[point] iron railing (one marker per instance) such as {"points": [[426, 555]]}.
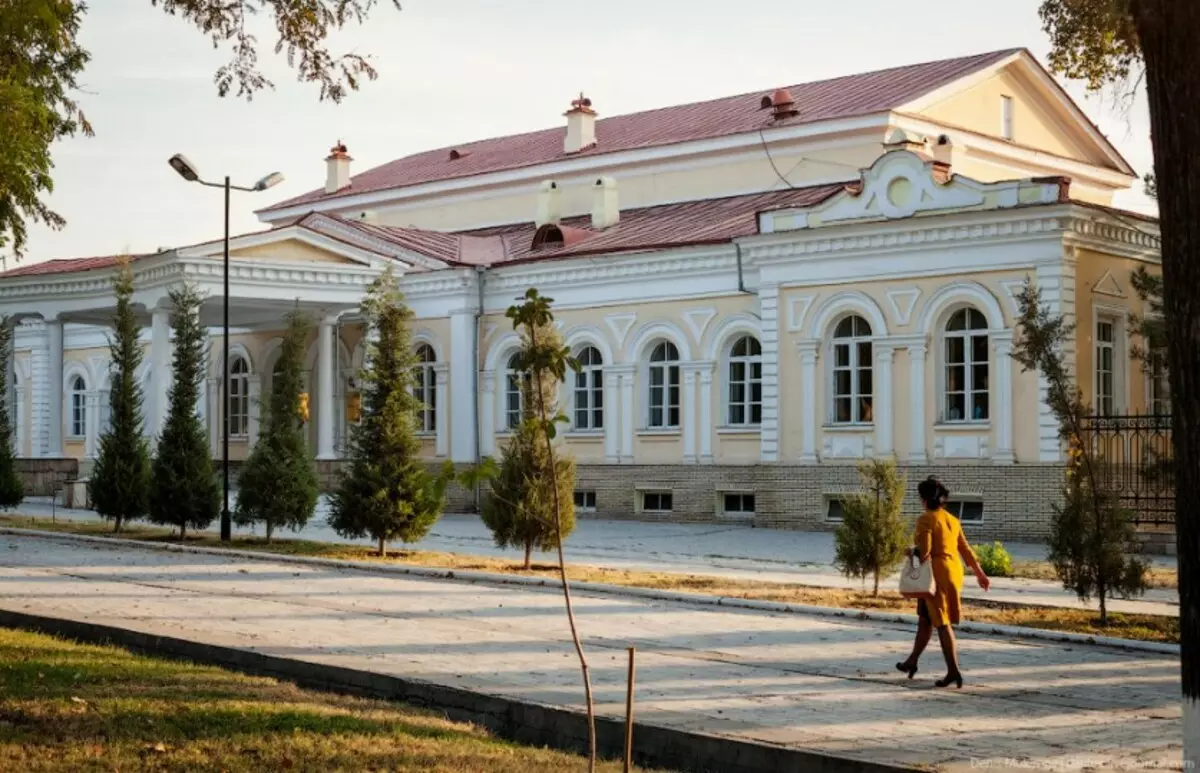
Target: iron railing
{"points": [[1135, 463]]}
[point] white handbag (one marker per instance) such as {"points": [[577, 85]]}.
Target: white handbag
{"points": [[916, 579]]}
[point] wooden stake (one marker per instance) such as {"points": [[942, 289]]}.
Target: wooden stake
{"points": [[629, 715]]}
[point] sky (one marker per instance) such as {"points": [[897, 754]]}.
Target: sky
{"points": [[453, 71]]}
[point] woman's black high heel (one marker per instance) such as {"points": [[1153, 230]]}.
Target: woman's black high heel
{"points": [[906, 669], [956, 680]]}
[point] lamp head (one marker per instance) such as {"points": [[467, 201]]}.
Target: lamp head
{"points": [[270, 181], [184, 168]]}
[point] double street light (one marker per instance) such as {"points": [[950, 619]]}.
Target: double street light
{"points": [[188, 172]]}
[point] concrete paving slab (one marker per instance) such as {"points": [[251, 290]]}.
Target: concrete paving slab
{"points": [[821, 684]]}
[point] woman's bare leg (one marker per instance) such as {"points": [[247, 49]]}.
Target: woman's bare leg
{"points": [[924, 633], [949, 649]]}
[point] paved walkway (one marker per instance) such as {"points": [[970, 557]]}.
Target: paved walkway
{"points": [[713, 549], [818, 683]]}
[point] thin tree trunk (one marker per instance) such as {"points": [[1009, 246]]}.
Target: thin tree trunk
{"points": [[183, 532], [270, 531], [528, 556], [1168, 31], [382, 547], [117, 525], [876, 593], [562, 566]]}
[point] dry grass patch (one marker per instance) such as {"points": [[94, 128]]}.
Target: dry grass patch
{"points": [[73, 707], [1159, 628]]}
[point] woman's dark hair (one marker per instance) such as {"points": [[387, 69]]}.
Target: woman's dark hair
{"points": [[933, 493]]}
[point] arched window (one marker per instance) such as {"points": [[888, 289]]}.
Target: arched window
{"points": [[589, 391], [425, 389], [78, 407], [745, 382], [663, 387], [514, 401], [966, 379], [239, 396], [852, 376]]}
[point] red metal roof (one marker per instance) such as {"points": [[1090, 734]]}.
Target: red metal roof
{"points": [[64, 265], [844, 97]]}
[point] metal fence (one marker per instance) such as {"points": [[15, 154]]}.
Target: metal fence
{"points": [[1135, 463]]}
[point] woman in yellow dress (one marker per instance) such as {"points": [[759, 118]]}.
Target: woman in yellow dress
{"points": [[940, 539]]}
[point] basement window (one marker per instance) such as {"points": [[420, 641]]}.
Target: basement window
{"points": [[835, 508], [585, 501], [657, 502], [737, 504], [967, 510]]}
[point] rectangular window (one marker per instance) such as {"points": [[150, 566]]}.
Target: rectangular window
{"points": [[1105, 370], [657, 502], [585, 501], [834, 509], [966, 510], [737, 505], [1006, 117], [1159, 401]]}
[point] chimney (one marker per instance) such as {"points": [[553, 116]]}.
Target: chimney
{"points": [[605, 210], [337, 167], [782, 105], [944, 150], [548, 208], [581, 125]]}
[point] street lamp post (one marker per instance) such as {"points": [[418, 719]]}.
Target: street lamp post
{"points": [[188, 172]]}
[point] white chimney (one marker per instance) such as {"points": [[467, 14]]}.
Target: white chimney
{"points": [[337, 167], [605, 210], [548, 207], [944, 150], [581, 125]]}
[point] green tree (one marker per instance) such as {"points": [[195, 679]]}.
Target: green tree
{"points": [[120, 481], [385, 491], [278, 485], [41, 59], [872, 538], [1092, 538], [545, 362], [519, 510], [184, 491], [12, 488]]}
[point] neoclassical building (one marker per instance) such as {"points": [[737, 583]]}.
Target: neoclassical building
{"points": [[762, 290]]}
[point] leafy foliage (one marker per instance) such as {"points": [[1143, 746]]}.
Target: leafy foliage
{"points": [[278, 485], [12, 488], [120, 480], [1091, 538], [184, 492], [40, 61], [304, 29], [385, 491], [872, 538], [1091, 40], [520, 510], [994, 559]]}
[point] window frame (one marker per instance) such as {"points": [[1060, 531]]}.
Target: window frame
{"points": [[656, 492], [512, 387], [242, 412], [425, 388], [740, 514], [829, 499], [749, 362], [853, 343], [968, 391], [967, 498], [79, 408], [585, 508], [672, 381], [592, 376]]}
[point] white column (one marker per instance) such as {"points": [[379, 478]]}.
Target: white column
{"points": [[11, 403], [612, 437], [91, 423], [443, 403], [916, 408], [326, 365], [627, 382], [884, 413], [255, 394], [54, 379], [213, 396], [20, 423], [768, 298], [706, 415], [160, 371], [687, 410], [808, 403], [1002, 345], [460, 391], [487, 405], [39, 393]]}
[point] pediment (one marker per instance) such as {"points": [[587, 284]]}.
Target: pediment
{"points": [[904, 184]]}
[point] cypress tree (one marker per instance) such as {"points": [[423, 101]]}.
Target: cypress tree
{"points": [[520, 510], [12, 488], [120, 481], [184, 491], [278, 485], [385, 491]]}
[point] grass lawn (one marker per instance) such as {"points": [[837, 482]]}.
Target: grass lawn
{"points": [[1158, 628], [69, 707]]}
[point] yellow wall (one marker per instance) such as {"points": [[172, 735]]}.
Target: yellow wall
{"points": [[290, 251]]}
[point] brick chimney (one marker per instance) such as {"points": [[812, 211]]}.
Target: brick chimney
{"points": [[605, 209], [548, 206], [337, 168], [581, 125]]}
